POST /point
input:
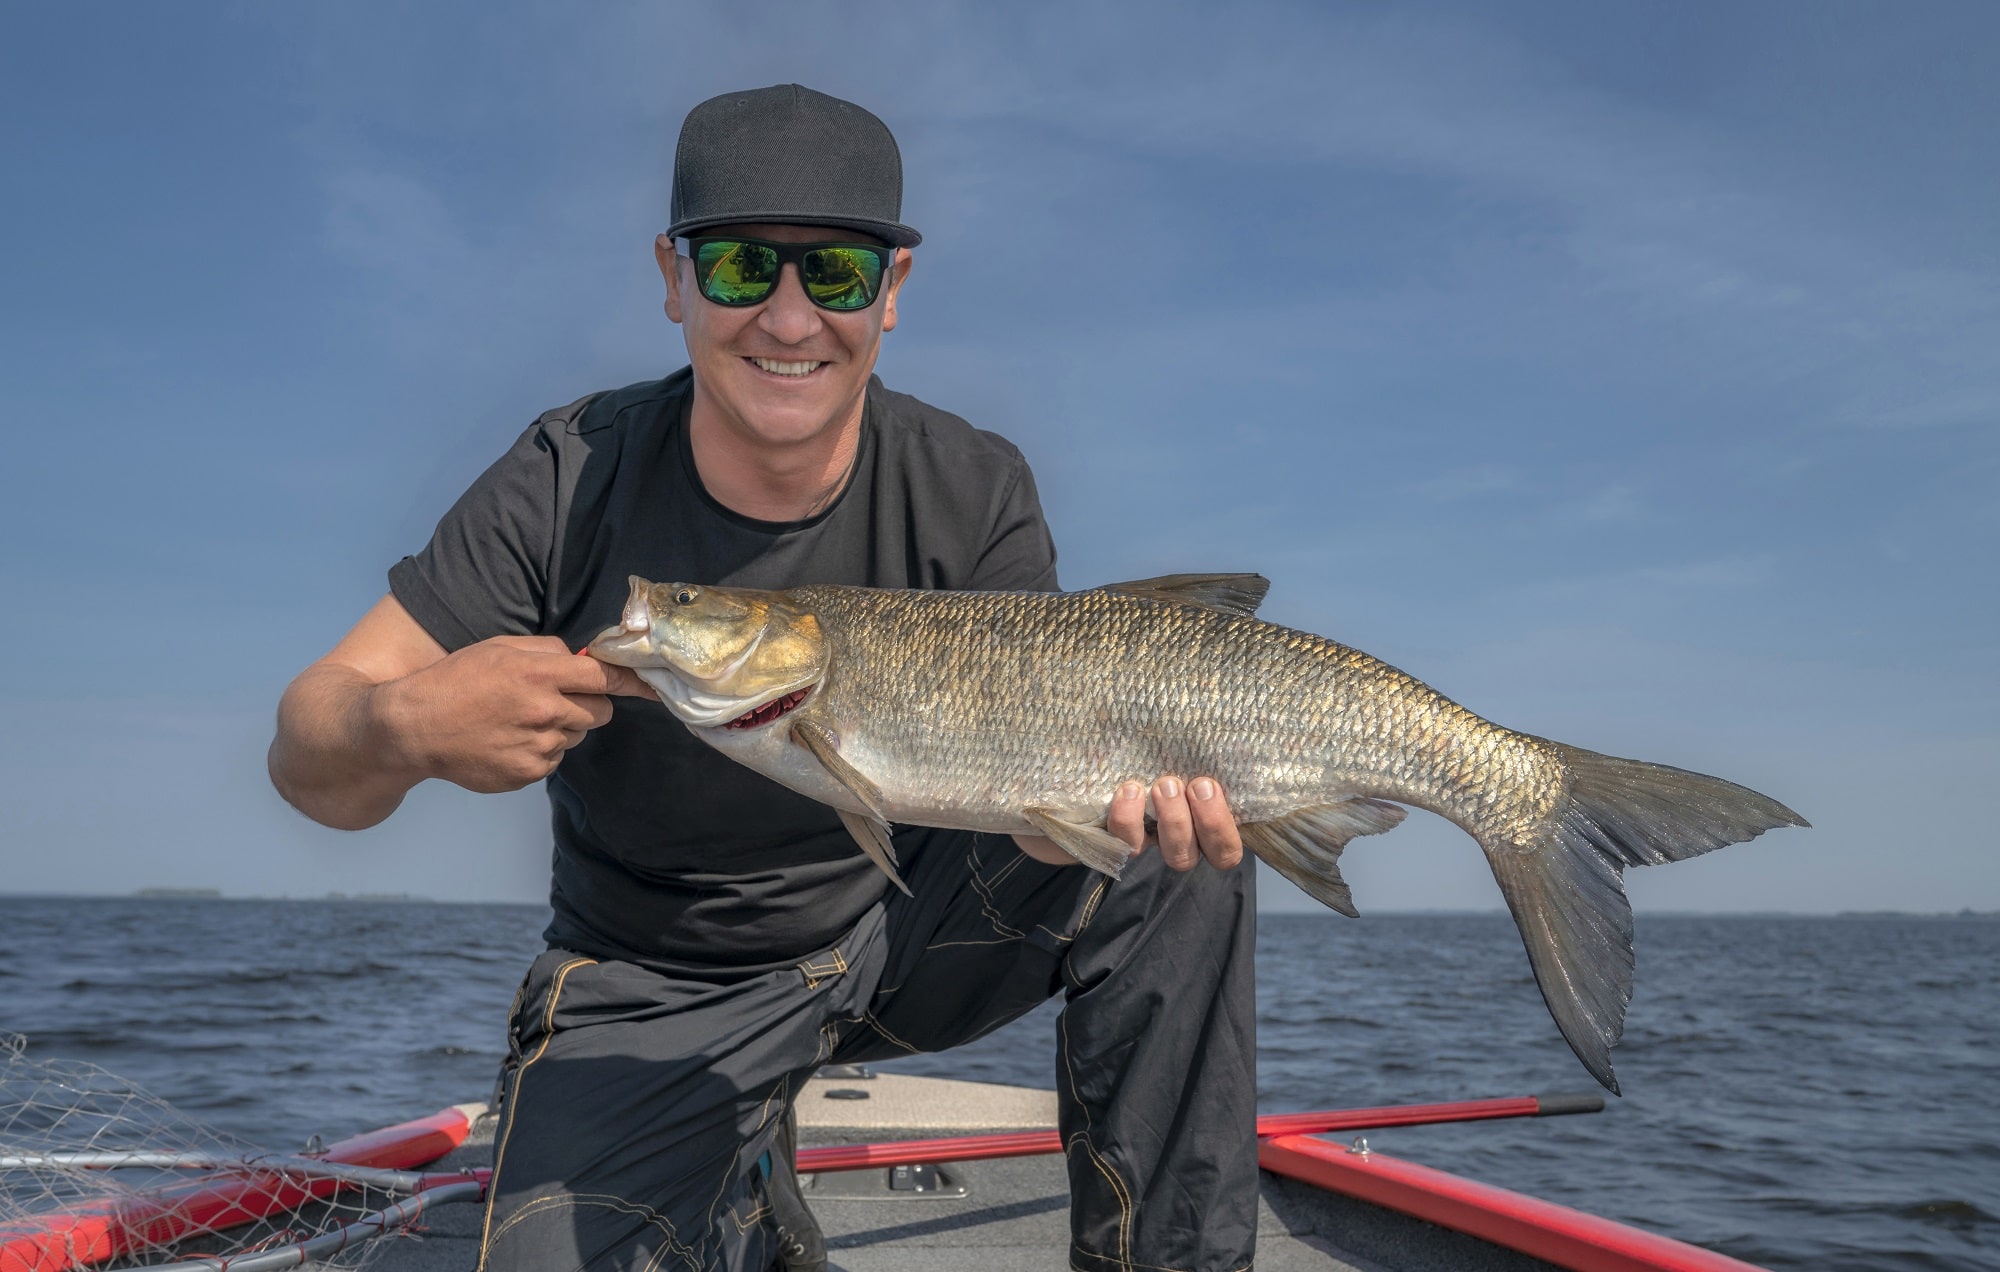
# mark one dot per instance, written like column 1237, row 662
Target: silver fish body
column 1023, row 713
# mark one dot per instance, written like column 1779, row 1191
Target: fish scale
column 1055, row 699
column 1024, row 712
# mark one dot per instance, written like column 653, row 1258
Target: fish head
column 717, row 656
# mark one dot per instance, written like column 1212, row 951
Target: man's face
column 786, row 370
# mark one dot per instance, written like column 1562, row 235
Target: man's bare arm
column 388, row 708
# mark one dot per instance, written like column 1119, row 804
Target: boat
column 907, row 1172
column 901, row 1171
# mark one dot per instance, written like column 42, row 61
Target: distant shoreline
column 199, row 894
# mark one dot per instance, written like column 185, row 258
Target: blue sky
column 1629, row 372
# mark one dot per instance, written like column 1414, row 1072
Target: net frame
column 97, row 1172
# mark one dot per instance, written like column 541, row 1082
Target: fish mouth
column 783, row 704
column 630, row 643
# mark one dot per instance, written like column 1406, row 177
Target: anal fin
column 1094, row 846
column 871, row 828
column 1305, row 844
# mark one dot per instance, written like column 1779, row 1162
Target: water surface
column 1801, row 1092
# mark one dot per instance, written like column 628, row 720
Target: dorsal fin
column 1230, row 593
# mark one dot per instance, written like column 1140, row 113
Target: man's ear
column 899, row 269
column 669, row 263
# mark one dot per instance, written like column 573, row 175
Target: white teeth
column 776, row 367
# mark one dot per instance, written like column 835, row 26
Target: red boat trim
column 1557, row 1234
column 99, row 1232
column 1567, row 1238
column 968, row 1148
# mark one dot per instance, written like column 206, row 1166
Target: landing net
column 98, row 1173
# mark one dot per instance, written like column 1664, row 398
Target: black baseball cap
column 790, row 156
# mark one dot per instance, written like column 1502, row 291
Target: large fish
column 1023, row 712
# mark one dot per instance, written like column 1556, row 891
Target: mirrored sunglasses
column 742, row 271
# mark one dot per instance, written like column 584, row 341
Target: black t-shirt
column 666, row 852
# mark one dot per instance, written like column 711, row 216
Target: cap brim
column 890, row 232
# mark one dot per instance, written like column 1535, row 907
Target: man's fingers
column 596, row 709
column 1127, row 818
column 532, row 644
column 587, row 675
column 1173, row 823
column 626, row 684
column 1214, row 824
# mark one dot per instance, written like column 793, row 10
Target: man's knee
column 1154, row 911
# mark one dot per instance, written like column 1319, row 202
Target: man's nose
column 789, row 316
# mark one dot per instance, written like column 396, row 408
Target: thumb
column 623, row 682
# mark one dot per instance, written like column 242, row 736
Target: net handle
column 376, row 1223
column 272, row 1163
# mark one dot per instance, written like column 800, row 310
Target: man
column 715, row 937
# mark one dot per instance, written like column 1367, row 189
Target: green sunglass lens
column 842, row 277
column 736, row 273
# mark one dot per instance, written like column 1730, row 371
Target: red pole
column 972, row 1148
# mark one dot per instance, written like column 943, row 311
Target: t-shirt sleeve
column 1020, row 554
column 485, row 571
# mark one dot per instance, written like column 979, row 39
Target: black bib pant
column 637, row 1104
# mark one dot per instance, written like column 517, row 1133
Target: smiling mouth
column 790, row 370
column 770, row 710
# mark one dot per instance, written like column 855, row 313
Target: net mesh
column 96, row 1172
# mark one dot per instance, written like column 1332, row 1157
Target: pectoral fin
column 873, row 836
column 870, row 829
column 1304, row 845
column 1230, row 593
column 1094, row 846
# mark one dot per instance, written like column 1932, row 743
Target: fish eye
column 685, row 596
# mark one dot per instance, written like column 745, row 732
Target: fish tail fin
column 1566, row 889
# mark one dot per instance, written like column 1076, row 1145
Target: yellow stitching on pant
column 1089, row 913
column 945, row 945
column 1149, row 1267
column 1012, row 865
column 1090, row 906
column 816, row 973
column 1124, row 1201
column 514, row 1099
column 987, row 901
column 1124, row 1259
column 1117, row 1184
column 883, row 1029
column 611, row 1201
column 987, row 910
column 782, row 1093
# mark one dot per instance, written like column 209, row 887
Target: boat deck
column 1006, row 1215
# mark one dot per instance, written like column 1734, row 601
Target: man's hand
column 1189, row 817
column 388, row 708
column 499, row 715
